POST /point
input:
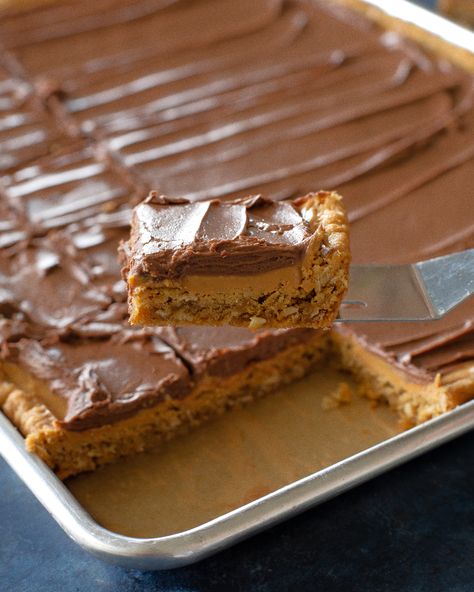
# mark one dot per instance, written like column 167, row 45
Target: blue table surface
column 411, row 529
column 408, row 530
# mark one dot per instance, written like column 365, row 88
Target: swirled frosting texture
column 219, row 99
column 236, row 237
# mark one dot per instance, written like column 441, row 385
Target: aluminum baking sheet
column 231, row 478
column 244, row 472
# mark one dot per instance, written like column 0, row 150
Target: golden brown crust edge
column 459, row 56
column 332, row 217
column 379, row 380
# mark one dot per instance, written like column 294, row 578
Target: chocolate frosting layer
column 232, row 349
column 48, row 287
column 27, row 130
column 219, row 99
column 241, row 237
column 71, row 186
column 106, row 380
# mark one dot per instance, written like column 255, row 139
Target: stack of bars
column 205, row 100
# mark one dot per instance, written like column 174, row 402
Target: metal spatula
column 417, row 292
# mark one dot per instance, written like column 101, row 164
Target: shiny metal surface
column 406, row 11
column 191, row 545
column 418, row 292
column 454, row 271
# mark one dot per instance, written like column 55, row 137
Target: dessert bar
column 89, row 401
column 251, row 262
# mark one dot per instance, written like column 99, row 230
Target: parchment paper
column 233, row 460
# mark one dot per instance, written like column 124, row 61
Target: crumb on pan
column 341, row 396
